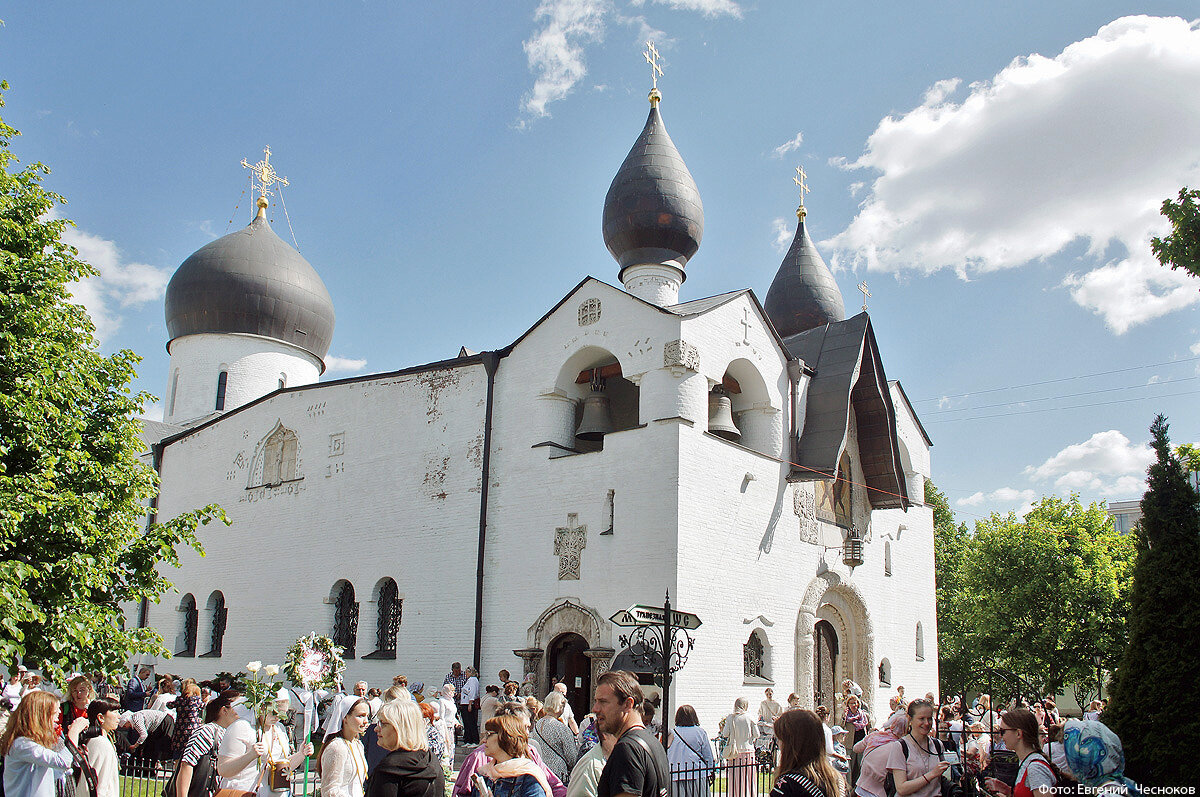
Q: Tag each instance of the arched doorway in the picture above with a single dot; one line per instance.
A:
(568, 663)
(825, 651)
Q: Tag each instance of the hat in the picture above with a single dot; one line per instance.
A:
(337, 713)
(836, 729)
(22, 668)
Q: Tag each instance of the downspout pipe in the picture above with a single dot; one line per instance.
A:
(491, 362)
(156, 454)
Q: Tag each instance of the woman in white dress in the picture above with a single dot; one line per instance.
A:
(279, 755)
(740, 732)
(447, 712)
(103, 716)
(343, 762)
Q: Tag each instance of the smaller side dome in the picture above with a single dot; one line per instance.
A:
(804, 293)
(653, 213)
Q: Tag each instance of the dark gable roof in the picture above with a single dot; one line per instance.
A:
(849, 373)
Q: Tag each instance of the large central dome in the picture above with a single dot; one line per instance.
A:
(653, 213)
(251, 282)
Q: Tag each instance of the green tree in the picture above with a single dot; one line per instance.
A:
(74, 545)
(1043, 595)
(1181, 249)
(1155, 706)
(1189, 457)
(950, 541)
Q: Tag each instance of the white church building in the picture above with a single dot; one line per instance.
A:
(499, 507)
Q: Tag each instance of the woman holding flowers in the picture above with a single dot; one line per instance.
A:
(279, 760)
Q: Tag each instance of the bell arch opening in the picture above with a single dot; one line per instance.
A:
(592, 398)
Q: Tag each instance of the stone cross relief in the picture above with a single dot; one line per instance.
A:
(569, 542)
(746, 326)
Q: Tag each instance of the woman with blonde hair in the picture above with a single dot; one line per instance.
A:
(80, 694)
(555, 740)
(511, 773)
(34, 757)
(804, 769)
(409, 769)
(740, 731)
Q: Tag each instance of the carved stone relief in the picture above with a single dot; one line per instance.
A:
(589, 312)
(337, 444)
(569, 542)
(680, 353)
(857, 637)
(805, 506)
(276, 459)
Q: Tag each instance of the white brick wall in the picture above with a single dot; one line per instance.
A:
(401, 499)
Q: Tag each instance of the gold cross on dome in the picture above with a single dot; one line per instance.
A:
(862, 286)
(266, 174)
(651, 54)
(801, 180)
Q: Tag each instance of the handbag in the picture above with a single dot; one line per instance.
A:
(280, 778)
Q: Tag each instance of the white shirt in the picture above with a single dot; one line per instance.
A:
(470, 690)
(102, 756)
(568, 714)
(278, 749)
(343, 768)
(237, 741)
(31, 769)
(741, 733)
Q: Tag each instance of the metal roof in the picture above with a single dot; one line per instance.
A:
(653, 213)
(698, 306)
(804, 293)
(250, 281)
(849, 374)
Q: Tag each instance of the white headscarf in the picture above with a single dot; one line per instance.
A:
(337, 713)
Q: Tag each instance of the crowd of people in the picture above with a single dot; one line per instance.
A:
(401, 742)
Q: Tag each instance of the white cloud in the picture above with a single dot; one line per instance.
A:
(153, 412)
(1195, 348)
(781, 235)
(789, 146)
(708, 8)
(121, 285)
(1005, 495)
(1105, 465)
(343, 365)
(1082, 146)
(555, 51)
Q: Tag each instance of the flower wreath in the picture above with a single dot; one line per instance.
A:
(314, 662)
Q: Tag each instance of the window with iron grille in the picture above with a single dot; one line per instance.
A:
(387, 623)
(752, 657)
(191, 625)
(345, 619)
(216, 605)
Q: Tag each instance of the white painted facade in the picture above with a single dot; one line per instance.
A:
(384, 480)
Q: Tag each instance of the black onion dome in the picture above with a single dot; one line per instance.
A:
(653, 213)
(252, 282)
(804, 293)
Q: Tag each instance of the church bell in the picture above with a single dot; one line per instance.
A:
(720, 415)
(597, 414)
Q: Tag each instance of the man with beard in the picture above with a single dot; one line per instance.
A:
(637, 766)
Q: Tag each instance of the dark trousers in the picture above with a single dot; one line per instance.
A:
(470, 721)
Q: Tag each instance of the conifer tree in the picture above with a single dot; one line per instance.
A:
(1155, 704)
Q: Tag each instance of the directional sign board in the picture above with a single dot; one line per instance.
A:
(653, 615)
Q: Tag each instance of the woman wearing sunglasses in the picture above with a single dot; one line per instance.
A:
(1019, 731)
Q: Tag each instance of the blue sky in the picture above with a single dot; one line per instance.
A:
(993, 172)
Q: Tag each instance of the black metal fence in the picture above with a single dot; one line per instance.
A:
(142, 777)
(746, 775)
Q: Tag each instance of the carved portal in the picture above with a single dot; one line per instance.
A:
(830, 598)
(567, 616)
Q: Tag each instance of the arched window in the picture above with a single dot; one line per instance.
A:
(282, 381)
(387, 622)
(753, 656)
(885, 673)
(220, 616)
(887, 557)
(345, 617)
(191, 625)
(174, 390)
(222, 381)
(920, 642)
